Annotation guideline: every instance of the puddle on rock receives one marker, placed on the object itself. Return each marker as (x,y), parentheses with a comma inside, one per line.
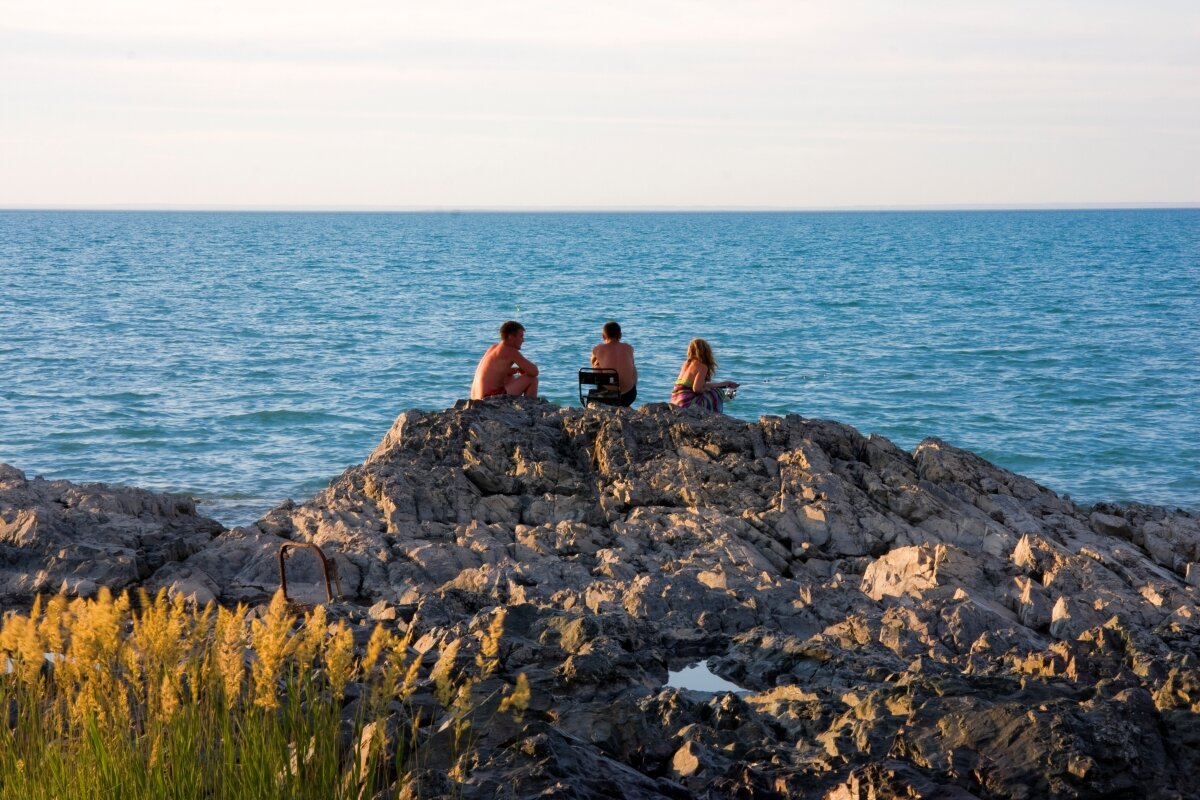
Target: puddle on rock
(699,678)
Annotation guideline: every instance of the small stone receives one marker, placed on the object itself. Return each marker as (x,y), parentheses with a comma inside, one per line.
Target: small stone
(1109,525)
(382,611)
(1192,574)
(1080,765)
(686,760)
(1060,619)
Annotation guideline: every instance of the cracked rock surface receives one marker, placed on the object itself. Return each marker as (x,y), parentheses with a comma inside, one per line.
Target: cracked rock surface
(59,536)
(920,625)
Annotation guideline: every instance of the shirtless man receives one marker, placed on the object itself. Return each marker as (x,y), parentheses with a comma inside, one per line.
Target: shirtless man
(503,370)
(615,354)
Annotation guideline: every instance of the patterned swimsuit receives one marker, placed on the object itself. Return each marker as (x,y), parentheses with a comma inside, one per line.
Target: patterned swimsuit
(710,399)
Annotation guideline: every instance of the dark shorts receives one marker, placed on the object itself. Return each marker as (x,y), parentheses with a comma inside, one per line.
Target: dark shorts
(627,398)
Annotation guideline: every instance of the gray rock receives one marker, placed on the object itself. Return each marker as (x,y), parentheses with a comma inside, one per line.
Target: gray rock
(1109,525)
(921,625)
(58,536)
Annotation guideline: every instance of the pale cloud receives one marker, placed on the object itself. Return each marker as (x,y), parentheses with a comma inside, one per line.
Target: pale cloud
(601,104)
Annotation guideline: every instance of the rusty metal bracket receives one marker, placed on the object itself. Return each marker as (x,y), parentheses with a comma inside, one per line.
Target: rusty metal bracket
(326,567)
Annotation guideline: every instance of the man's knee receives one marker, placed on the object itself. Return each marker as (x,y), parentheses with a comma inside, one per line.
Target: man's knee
(520,385)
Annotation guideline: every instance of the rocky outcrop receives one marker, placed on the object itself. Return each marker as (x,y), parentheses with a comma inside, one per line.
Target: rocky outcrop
(922,625)
(57,536)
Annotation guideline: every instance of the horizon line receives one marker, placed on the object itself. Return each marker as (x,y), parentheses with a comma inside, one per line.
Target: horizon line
(483,209)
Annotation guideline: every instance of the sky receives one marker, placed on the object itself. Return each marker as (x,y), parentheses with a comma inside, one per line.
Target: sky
(391,104)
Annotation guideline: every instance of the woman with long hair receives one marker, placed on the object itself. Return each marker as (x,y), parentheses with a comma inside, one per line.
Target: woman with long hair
(693,387)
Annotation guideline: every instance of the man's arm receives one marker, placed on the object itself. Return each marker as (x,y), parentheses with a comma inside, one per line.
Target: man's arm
(595,358)
(526,366)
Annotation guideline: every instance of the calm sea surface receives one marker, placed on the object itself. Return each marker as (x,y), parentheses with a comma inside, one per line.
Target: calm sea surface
(247,358)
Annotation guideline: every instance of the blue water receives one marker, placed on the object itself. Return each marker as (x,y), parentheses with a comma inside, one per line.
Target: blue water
(246,357)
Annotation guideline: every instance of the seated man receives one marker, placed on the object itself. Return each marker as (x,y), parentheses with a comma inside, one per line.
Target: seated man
(503,370)
(615,354)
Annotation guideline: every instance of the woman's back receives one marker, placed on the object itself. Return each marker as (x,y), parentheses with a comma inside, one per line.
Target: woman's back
(691,369)
(694,386)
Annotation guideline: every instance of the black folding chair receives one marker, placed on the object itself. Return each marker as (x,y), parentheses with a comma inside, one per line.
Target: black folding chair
(606,383)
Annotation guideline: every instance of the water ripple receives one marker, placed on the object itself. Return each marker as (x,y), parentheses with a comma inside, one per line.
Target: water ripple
(251,357)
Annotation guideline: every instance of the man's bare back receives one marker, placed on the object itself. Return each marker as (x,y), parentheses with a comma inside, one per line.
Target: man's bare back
(618,356)
(615,354)
(503,370)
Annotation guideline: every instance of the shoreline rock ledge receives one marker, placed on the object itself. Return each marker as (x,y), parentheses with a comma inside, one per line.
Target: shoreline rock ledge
(918,625)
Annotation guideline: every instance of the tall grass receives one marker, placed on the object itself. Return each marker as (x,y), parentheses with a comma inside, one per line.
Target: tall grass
(99,700)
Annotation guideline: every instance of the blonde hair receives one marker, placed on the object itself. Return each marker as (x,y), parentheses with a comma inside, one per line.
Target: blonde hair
(698,350)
